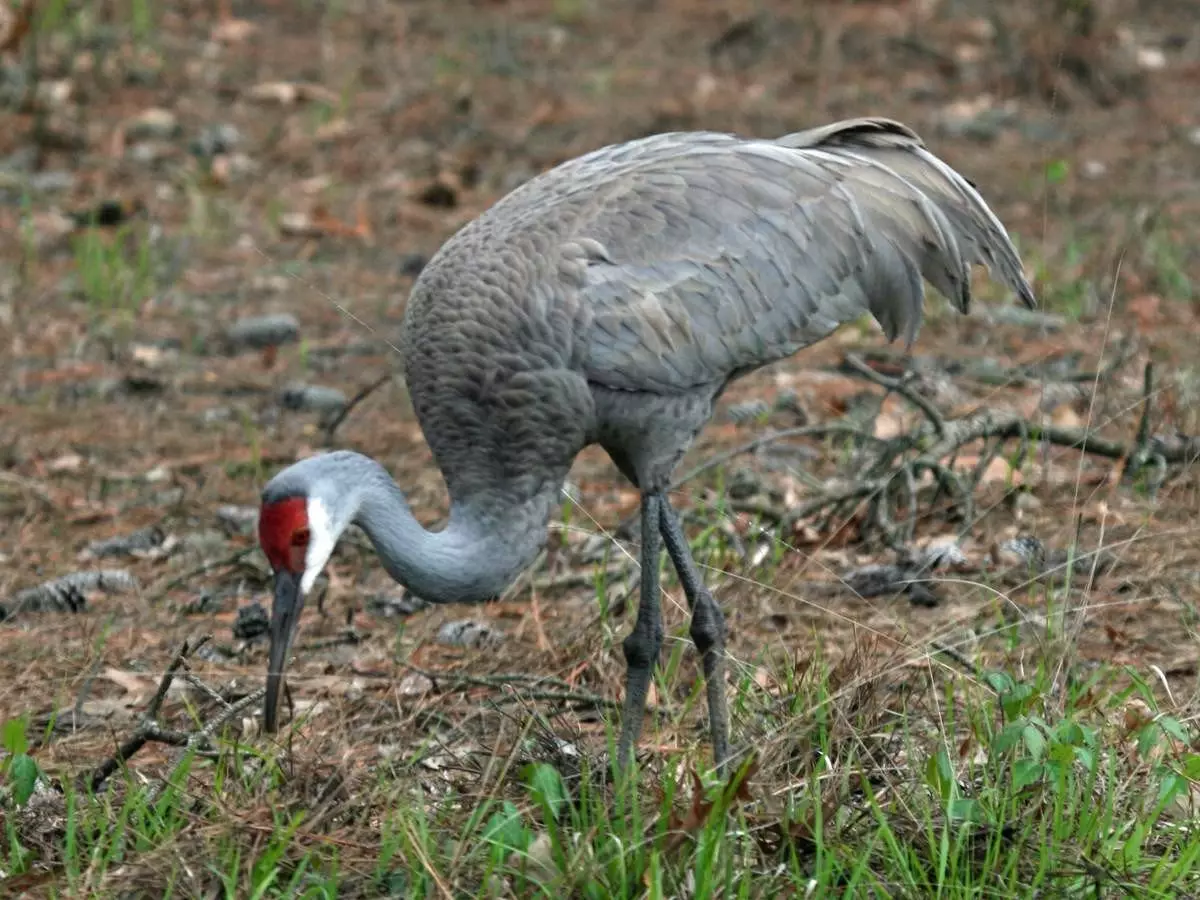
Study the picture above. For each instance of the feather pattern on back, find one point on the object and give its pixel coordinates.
(669, 265)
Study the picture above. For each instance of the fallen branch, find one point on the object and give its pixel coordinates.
(902, 387)
(878, 479)
(149, 728)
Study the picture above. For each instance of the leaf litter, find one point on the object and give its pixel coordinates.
(368, 211)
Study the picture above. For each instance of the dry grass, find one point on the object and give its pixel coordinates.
(1029, 734)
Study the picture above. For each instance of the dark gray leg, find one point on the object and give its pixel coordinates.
(644, 642)
(708, 629)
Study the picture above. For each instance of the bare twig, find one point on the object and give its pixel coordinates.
(334, 423)
(203, 737)
(900, 386)
(566, 693)
(958, 433)
(203, 688)
(208, 566)
(989, 373)
(833, 429)
(830, 430)
(149, 729)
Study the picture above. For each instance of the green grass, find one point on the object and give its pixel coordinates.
(115, 272)
(861, 785)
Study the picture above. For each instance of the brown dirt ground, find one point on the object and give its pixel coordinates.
(422, 115)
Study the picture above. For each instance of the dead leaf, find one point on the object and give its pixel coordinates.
(333, 129)
(140, 688)
(14, 25)
(1147, 310)
(230, 29)
(684, 825)
(287, 93)
(299, 224)
(895, 418)
(1064, 416)
(68, 462)
(322, 223)
(414, 684)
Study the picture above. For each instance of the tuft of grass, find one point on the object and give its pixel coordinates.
(115, 272)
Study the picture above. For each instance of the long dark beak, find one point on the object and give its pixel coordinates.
(285, 613)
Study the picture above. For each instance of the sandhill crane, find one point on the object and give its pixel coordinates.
(610, 301)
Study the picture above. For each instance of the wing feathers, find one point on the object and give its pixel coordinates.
(717, 254)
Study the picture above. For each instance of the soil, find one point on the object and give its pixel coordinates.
(305, 159)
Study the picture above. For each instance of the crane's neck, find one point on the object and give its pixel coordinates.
(474, 558)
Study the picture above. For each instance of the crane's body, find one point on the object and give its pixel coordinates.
(610, 301)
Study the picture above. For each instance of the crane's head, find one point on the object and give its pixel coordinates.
(301, 519)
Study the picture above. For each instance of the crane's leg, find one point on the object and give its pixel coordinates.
(643, 643)
(707, 629)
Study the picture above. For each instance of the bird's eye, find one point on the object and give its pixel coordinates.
(299, 537)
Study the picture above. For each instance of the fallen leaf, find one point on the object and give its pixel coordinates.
(414, 684)
(684, 825)
(286, 93)
(1064, 416)
(141, 688)
(1147, 310)
(14, 25)
(68, 462)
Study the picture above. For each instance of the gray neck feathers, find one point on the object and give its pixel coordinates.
(475, 557)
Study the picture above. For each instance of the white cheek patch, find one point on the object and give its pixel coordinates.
(321, 541)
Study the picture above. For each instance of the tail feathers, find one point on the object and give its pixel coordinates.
(974, 230)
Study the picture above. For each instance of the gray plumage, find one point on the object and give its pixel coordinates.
(611, 300)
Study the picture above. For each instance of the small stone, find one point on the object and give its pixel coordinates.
(154, 124)
(887, 579)
(312, 398)
(259, 332)
(466, 633)
(1023, 501)
(877, 580)
(204, 603)
(230, 167)
(251, 623)
(214, 653)
(271, 284)
(216, 139)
